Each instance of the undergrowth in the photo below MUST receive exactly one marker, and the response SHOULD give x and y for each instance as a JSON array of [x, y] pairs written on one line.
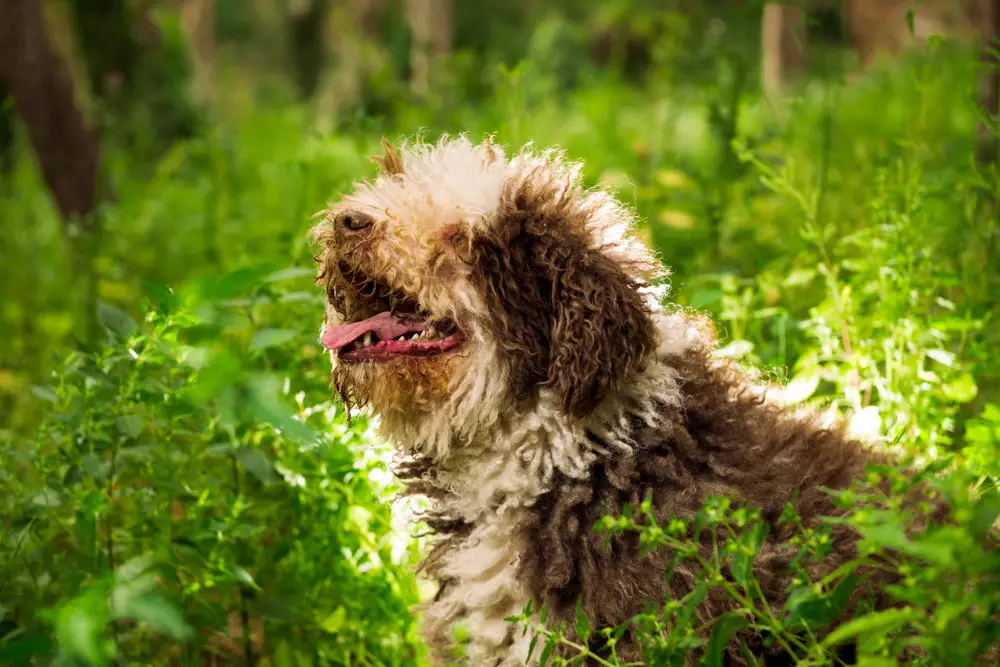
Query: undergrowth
[[184, 490]]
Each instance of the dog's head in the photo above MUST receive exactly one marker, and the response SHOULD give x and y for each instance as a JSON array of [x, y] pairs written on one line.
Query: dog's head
[[461, 284]]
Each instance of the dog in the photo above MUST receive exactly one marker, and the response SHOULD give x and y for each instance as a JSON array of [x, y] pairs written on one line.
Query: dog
[[508, 329]]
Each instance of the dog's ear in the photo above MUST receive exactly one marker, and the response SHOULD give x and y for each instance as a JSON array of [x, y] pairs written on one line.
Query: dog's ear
[[601, 329], [566, 315]]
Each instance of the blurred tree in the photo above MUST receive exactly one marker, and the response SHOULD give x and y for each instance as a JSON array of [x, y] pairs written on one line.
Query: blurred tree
[[360, 67], [108, 45], [306, 21], [783, 42], [198, 21], [6, 133], [989, 140], [136, 68], [38, 82], [430, 39]]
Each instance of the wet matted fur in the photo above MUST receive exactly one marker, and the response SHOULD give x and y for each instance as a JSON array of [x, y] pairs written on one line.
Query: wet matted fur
[[575, 390]]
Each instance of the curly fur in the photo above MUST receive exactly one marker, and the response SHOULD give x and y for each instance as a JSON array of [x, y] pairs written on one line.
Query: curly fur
[[575, 392]]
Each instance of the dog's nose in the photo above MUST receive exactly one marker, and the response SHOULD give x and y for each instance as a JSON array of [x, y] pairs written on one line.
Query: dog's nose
[[350, 222]]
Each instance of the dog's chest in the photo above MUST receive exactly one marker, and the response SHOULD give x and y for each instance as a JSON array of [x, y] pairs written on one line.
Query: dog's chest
[[481, 589]]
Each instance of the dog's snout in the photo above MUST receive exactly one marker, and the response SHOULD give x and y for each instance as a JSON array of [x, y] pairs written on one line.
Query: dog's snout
[[349, 222]]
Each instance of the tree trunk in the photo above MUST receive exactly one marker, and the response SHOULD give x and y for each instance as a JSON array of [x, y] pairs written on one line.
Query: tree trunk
[[783, 41], [198, 20], [989, 90], [307, 18], [39, 84], [6, 135], [430, 39], [353, 31], [105, 38]]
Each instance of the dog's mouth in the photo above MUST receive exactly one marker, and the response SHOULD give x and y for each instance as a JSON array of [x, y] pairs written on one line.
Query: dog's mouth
[[387, 324]]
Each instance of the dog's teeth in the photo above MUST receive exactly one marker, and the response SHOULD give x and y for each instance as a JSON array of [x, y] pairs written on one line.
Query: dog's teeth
[[368, 339], [415, 336], [401, 339]]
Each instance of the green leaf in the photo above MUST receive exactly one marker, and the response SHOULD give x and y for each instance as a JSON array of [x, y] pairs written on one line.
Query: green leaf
[[291, 273], [257, 464], [727, 626], [961, 390], [231, 284], [582, 623], [161, 296], [550, 645], [129, 426], [942, 357], [22, 649], [92, 465], [876, 661], [706, 298], [242, 576], [115, 321], [80, 626], [44, 393], [158, 613], [531, 646], [879, 623], [800, 388], [746, 552], [284, 656], [735, 350], [799, 277], [267, 406], [335, 621], [264, 338]]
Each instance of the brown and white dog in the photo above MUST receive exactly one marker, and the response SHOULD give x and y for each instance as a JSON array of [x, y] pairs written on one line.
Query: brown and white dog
[[506, 328]]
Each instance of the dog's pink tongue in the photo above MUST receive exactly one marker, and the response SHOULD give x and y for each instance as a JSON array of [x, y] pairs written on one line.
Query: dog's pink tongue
[[386, 326]]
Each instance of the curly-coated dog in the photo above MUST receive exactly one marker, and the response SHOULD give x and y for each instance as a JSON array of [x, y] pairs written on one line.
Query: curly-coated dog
[[506, 327]]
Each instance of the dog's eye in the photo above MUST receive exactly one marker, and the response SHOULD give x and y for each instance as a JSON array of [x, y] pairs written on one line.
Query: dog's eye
[[353, 220]]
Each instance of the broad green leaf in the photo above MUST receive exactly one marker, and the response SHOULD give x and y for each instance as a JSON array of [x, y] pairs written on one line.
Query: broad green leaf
[[44, 393], [265, 403], [291, 273], [242, 576], [232, 284], [800, 388], [20, 650], [130, 426], [725, 627], [264, 338], [80, 627], [798, 277], [335, 621], [961, 390], [116, 321], [257, 463], [876, 661], [284, 656], [942, 357], [160, 614], [879, 623], [735, 350]]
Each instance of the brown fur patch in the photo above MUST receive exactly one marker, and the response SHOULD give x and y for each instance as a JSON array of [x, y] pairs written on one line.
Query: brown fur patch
[[725, 441], [390, 162], [564, 314]]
